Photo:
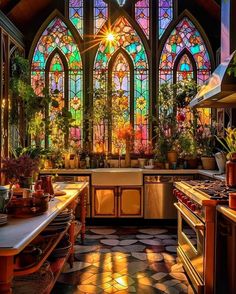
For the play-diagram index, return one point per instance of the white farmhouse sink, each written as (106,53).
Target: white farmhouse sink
(117,177)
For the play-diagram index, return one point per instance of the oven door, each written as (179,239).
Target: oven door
(191,236)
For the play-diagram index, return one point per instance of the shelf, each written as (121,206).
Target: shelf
(56,268)
(27,271)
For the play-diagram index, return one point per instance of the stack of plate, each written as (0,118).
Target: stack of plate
(3,219)
(59,224)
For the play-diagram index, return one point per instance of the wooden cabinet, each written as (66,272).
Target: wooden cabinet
(225,279)
(121,202)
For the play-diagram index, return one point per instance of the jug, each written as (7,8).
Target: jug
(46,185)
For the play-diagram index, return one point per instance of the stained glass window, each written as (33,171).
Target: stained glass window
(56,91)
(126,38)
(165,15)
(184,36)
(57,37)
(142,15)
(121,96)
(100,14)
(184,69)
(76,14)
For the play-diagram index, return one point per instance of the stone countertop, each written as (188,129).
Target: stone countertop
(228,212)
(209,173)
(18,233)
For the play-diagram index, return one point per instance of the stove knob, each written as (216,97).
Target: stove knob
(175,191)
(189,203)
(185,199)
(193,207)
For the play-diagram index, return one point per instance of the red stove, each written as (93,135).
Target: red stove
(196,206)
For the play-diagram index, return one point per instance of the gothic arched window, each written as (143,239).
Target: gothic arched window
(129,82)
(184,36)
(57,65)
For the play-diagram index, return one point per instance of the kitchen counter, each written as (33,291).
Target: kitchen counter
(209,173)
(228,212)
(18,233)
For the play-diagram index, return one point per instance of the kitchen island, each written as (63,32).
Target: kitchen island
(18,233)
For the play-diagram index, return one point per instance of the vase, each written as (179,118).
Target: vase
(221,161)
(141,162)
(208,163)
(127,154)
(172,156)
(25,182)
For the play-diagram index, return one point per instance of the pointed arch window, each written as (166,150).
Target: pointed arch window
(142,15)
(132,53)
(120,71)
(100,14)
(184,37)
(57,65)
(165,15)
(76,15)
(185,70)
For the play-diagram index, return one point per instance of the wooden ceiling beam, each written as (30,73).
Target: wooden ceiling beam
(9,6)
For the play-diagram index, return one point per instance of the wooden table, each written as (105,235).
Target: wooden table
(19,233)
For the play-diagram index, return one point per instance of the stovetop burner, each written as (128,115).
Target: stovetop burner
(213,189)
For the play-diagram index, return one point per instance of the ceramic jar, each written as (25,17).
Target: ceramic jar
(231,171)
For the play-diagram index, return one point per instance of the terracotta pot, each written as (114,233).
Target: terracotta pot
(172,156)
(208,163)
(192,163)
(232,200)
(141,162)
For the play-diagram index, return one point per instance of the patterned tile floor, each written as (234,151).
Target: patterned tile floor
(125,260)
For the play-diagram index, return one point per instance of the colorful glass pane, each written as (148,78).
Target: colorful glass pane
(58,37)
(127,39)
(76,14)
(100,14)
(56,91)
(165,15)
(120,97)
(142,15)
(184,69)
(184,36)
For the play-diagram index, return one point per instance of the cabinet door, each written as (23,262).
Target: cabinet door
(130,202)
(104,202)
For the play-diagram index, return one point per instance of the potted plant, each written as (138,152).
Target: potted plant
(206,141)
(165,123)
(20,169)
(229,144)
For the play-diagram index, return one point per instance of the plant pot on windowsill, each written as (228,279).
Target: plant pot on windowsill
(192,163)
(172,156)
(208,162)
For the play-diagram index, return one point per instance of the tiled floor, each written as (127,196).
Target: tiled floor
(125,260)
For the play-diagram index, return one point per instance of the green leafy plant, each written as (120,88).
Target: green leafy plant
(229,142)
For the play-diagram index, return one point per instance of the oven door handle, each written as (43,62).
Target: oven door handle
(197,226)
